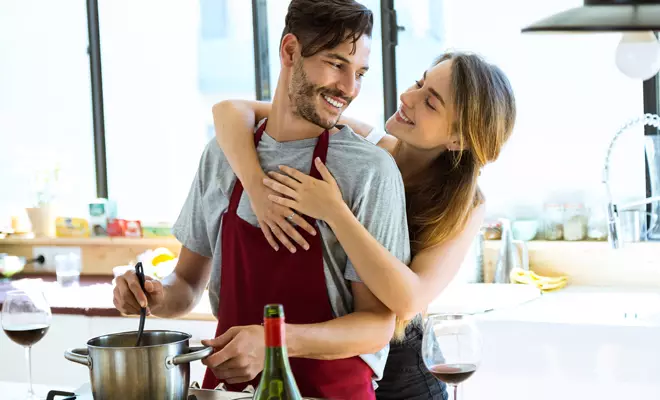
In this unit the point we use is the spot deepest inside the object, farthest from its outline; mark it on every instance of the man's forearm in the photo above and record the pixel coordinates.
(361, 332)
(179, 297)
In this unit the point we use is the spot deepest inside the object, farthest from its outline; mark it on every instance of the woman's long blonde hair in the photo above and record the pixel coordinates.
(440, 199)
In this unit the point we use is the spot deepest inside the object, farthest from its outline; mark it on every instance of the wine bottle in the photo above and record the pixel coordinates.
(277, 381)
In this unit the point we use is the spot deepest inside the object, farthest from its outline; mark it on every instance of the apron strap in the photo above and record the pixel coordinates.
(320, 151)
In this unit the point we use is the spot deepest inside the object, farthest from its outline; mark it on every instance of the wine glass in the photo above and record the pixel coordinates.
(451, 348)
(26, 318)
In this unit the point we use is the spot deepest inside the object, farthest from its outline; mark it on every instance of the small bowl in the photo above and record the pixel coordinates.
(525, 230)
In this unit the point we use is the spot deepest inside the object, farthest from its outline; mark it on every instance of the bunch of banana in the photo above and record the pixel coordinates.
(544, 283)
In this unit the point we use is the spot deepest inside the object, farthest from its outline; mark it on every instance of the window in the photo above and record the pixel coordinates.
(368, 106)
(162, 72)
(45, 105)
(215, 19)
(571, 99)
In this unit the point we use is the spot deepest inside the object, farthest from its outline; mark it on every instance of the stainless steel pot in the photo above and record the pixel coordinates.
(159, 369)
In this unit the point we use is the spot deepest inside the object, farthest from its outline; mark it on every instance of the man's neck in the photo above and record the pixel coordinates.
(284, 126)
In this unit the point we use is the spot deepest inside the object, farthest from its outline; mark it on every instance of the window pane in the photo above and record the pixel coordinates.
(368, 106)
(162, 72)
(571, 97)
(45, 104)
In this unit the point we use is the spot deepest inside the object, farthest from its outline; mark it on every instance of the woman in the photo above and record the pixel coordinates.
(450, 124)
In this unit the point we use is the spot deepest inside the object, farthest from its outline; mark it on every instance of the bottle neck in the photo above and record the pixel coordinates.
(277, 380)
(274, 332)
(276, 352)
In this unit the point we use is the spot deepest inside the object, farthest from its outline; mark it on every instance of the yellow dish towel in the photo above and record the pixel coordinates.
(545, 283)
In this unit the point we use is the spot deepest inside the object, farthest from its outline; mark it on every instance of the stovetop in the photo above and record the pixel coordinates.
(85, 393)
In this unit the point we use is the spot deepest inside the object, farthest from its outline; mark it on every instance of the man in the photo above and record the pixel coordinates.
(331, 316)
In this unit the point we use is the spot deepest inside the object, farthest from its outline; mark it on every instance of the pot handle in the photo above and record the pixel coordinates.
(80, 356)
(195, 353)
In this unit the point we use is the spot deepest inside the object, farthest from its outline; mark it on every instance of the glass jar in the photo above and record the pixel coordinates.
(597, 225)
(553, 221)
(575, 222)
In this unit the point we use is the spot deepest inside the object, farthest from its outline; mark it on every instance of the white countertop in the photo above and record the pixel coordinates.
(587, 305)
(612, 306)
(476, 298)
(584, 305)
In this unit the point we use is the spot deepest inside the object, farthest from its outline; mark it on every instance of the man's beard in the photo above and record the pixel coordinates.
(303, 93)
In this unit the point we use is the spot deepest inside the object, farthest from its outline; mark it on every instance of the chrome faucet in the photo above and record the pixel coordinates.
(612, 208)
(513, 254)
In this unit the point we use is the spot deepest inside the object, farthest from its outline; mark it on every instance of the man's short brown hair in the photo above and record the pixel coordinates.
(324, 24)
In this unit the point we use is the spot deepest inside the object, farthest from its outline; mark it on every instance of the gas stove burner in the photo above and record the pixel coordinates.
(56, 393)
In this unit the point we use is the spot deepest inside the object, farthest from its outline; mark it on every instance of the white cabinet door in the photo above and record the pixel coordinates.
(49, 367)
(545, 361)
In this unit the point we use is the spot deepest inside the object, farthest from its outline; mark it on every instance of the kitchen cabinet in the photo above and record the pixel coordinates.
(48, 363)
(577, 343)
(524, 360)
(49, 367)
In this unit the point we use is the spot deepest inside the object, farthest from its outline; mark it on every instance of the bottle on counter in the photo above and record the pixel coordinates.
(277, 381)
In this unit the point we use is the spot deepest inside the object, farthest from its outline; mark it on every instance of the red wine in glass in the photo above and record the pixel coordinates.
(453, 373)
(451, 348)
(26, 335)
(25, 319)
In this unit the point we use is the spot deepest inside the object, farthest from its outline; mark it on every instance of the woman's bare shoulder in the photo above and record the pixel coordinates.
(388, 142)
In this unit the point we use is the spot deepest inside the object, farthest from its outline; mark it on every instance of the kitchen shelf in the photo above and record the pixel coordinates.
(92, 241)
(170, 241)
(563, 244)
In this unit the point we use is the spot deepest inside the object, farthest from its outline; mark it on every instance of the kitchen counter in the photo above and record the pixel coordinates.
(92, 297)
(613, 306)
(18, 391)
(587, 305)
(591, 342)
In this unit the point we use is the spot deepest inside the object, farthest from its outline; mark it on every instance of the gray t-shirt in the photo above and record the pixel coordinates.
(370, 183)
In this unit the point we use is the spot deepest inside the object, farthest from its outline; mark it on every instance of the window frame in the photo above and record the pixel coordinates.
(389, 30)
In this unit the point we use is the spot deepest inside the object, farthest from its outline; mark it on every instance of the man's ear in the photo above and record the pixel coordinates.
(289, 49)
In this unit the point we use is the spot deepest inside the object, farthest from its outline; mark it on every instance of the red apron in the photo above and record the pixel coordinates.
(253, 275)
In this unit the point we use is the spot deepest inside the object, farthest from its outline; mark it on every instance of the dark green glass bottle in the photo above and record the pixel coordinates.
(277, 381)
